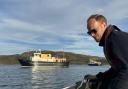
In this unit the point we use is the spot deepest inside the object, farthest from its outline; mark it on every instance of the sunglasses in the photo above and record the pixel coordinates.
(91, 31)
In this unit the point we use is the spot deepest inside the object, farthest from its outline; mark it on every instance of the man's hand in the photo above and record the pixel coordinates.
(90, 77)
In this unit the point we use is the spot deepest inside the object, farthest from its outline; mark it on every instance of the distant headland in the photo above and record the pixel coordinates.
(72, 57)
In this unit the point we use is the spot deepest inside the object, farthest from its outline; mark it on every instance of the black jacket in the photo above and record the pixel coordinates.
(115, 45)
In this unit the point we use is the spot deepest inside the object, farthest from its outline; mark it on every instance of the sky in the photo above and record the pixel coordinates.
(57, 25)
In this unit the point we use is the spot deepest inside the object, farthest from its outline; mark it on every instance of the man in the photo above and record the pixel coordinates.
(115, 46)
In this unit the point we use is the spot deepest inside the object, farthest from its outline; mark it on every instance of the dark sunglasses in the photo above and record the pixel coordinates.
(91, 31)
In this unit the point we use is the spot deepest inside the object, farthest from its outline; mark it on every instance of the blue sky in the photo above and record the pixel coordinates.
(56, 25)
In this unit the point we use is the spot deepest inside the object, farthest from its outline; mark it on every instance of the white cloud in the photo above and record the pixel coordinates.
(25, 26)
(58, 23)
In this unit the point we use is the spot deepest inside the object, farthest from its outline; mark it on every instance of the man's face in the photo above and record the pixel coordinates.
(96, 29)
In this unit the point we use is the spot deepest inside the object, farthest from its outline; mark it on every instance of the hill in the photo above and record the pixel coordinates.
(72, 57)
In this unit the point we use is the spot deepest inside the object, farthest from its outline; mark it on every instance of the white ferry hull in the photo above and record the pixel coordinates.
(27, 62)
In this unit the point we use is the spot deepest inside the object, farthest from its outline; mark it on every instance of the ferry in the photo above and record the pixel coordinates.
(93, 62)
(43, 59)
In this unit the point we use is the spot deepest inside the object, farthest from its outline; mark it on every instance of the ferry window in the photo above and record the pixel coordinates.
(48, 55)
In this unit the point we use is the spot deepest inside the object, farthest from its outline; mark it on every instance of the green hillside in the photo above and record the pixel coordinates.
(72, 57)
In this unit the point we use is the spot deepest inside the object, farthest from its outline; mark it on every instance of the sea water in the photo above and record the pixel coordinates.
(44, 77)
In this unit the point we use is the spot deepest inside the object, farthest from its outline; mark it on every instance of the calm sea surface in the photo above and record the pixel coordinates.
(45, 77)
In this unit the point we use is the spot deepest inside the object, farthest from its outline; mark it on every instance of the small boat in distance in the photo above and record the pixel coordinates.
(44, 59)
(93, 62)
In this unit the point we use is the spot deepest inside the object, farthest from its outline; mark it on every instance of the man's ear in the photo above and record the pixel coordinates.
(104, 24)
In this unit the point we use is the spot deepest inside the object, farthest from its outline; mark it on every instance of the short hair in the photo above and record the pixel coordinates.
(97, 17)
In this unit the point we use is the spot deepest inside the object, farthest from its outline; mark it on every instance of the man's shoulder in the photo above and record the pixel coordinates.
(117, 33)
(119, 36)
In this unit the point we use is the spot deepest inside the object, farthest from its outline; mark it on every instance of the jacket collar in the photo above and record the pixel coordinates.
(102, 41)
